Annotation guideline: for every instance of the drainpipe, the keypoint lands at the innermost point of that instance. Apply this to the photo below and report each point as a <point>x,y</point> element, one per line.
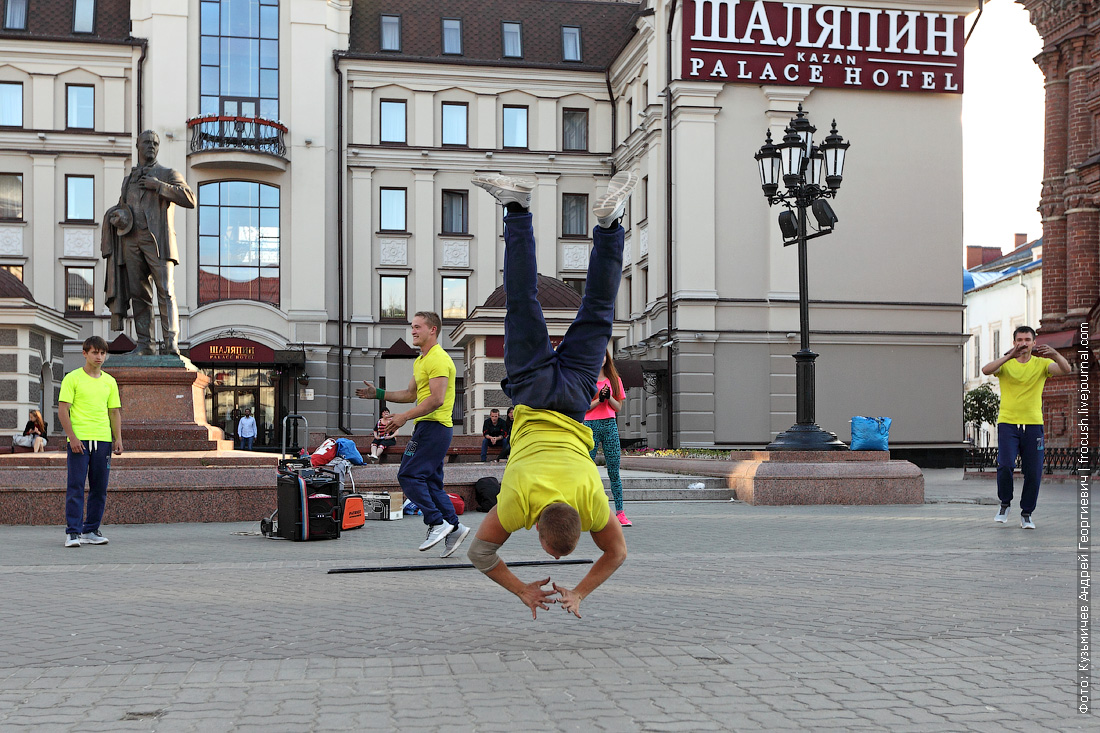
<point>341,376</point>
<point>144,43</point>
<point>669,431</point>
<point>614,113</point>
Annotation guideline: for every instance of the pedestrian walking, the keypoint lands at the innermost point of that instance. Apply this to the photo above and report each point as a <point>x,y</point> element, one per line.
<point>1022,372</point>
<point>601,419</point>
<point>246,429</point>
<point>551,482</point>
<point>432,389</point>
<point>90,412</point>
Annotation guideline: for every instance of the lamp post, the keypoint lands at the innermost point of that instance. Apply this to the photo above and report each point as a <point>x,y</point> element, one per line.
<point>810,174</point>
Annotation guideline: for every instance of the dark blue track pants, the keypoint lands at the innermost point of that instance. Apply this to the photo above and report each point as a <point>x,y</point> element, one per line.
<point>1027,441</point>
<point>94,467</point>
<point>421,472</point>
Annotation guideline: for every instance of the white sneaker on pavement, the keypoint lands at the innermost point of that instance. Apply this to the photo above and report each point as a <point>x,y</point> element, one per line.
<point>1002,515</point>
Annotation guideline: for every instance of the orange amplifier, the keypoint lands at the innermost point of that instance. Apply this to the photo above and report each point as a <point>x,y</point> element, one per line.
<point>352,510</point>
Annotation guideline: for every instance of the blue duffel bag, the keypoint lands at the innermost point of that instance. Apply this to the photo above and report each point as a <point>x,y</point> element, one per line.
<point>870,433</point>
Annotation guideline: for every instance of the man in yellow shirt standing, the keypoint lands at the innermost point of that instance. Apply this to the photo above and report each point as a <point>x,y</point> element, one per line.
<point>88,408</point>
<point>421,474</point>
<point>1021,375</point>
<point>551,482</point>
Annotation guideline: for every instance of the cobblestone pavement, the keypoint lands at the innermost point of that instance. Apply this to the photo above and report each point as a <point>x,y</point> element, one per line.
<point>725,617</point>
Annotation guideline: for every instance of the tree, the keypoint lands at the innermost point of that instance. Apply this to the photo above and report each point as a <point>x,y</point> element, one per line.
<point>981,405</point>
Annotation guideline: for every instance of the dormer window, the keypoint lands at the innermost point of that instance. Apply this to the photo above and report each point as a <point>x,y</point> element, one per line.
<point>452,36</point>
<point>84,16</point>
<point>570,43</point>
<point>513,40</point>
<point>391,33</point>
<point>15,15</point>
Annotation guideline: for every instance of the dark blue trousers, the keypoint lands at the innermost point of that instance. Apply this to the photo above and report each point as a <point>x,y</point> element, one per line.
<point>540,377</point>
<point>1027,441</point>
<point>421,472</point>
<point>94,467</point>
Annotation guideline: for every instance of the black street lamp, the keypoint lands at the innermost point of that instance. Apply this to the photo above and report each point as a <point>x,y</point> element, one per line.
<point>810,174</point>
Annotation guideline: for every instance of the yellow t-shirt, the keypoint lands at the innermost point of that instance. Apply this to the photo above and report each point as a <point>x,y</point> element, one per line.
<point>89,399</point>
<point>550,462</point>
<point>436,363</point>
<point>1022,390</point>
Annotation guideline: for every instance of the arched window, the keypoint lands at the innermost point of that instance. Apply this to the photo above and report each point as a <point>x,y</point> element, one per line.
<point>238,242</point>
<point>239,58</point>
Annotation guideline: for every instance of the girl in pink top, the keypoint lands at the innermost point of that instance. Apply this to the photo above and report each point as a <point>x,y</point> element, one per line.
<point>600,418</point>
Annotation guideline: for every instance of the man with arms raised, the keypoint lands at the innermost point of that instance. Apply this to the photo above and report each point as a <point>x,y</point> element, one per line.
<point>421,474</point>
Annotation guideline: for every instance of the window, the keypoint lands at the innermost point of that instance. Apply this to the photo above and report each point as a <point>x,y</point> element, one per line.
<point>83,16</point>
<point>628,294</point>
<point>996,343</point>
<point>577,283</point>
<point>515,127</point>
<point>16,270</point>
<point>80,106</point>
<point>454,212</point>
<point>392,210</point>
<point>513,40</point>
<point>15,17</point>
<point>570,43</point>
<point>11,104</point>
<point>79,198</point>
<point>238,242</point>
<point>452,36</point>
<point>574,129</point>
<point>454,298</point>
<point>977,351</point>
<point>80,289</point>
<point>11,196</point>
<point>239,58</point>
<point>629,116</point>
<point>393,121</point>
<point>391,33</point>
<point>643,202</point>
<point>645,286</point>
<point>574,215</point>
<point>393,298</point>
<point>454,123</point>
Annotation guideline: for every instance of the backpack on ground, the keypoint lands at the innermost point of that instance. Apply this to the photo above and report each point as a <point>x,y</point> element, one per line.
<point>485,492</point>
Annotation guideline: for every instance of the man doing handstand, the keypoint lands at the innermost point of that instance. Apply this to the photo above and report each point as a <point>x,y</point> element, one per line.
<point>551,482</point>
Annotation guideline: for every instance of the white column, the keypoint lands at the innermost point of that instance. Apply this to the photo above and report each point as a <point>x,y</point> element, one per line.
<point>422,294</point>
<point>546,209</point>
<point>47,211</point>
<point>360,224</point>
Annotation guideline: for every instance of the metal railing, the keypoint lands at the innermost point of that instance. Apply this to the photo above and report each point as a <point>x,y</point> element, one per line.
<point>221,132</point>
<point>1060,460</point>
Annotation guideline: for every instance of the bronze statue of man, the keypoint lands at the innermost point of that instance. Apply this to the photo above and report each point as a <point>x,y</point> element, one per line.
<point>140,245</point>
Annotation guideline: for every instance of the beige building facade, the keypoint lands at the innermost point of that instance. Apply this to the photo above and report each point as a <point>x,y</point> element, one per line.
<point>330,145</point>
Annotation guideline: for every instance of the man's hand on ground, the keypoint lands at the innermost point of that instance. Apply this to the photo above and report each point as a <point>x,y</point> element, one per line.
<point>534,597</point>
<point>570,600</point>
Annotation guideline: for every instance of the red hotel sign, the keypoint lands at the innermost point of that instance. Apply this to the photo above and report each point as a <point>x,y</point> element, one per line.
<point>232,350</point>
<point>845,47</point>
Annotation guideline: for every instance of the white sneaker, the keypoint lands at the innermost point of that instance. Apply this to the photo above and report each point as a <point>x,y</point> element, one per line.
<point>95,537</point>
<point>1025,522</point>
<point>454,539</point>
<point>436,534</point>
<point>72,540</point>
<point>612,205</point>
<point>506,190</point>
<point>1002,515</point>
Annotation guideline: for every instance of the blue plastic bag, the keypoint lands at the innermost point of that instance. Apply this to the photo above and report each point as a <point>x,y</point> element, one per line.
<point>346,449</point>
<point>870,433</point>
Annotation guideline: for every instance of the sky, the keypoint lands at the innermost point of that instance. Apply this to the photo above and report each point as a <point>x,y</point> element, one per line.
<point>1002,122</point>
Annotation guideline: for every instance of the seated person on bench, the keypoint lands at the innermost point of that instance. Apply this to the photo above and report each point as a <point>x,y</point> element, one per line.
<point>551,482</point>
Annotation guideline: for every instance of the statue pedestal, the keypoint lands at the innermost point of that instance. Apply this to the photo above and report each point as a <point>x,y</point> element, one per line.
<point>163,405</point>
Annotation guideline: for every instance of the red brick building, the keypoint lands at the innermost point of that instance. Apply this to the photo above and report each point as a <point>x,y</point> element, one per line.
<point>1070,204</point>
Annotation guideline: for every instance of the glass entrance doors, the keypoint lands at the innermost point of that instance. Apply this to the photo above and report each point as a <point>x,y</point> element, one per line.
<point>232,390</point>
